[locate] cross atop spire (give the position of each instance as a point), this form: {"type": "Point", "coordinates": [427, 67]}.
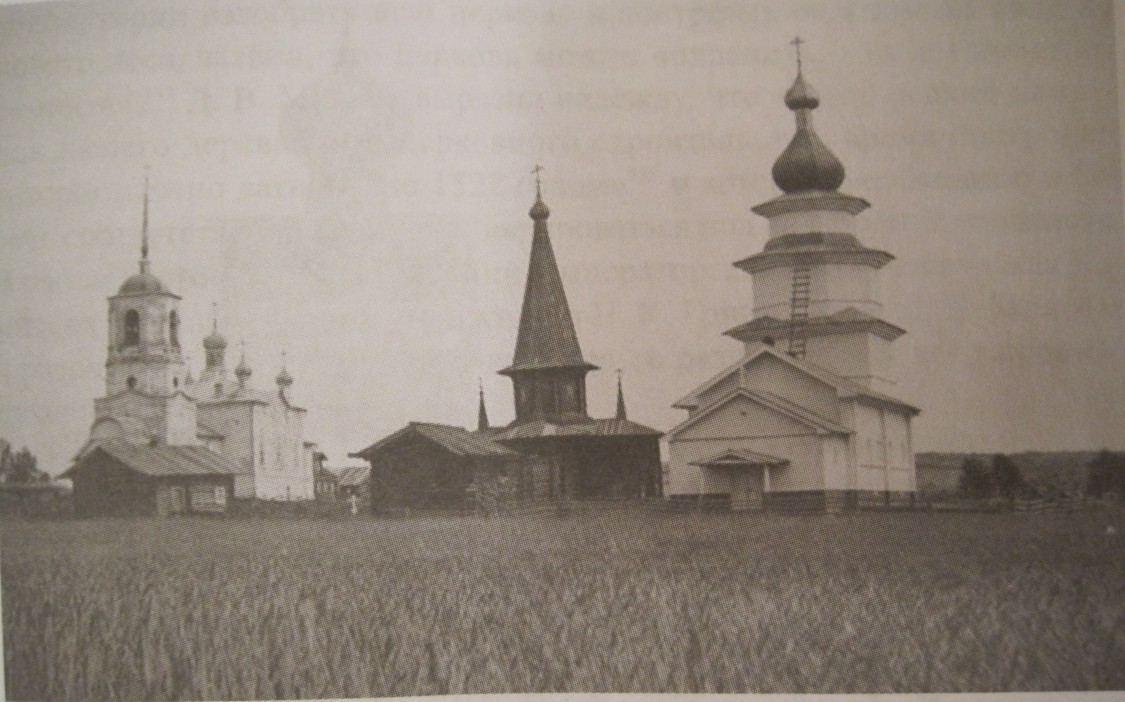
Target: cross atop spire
{"type": "Point", "coordinates": [797, 41]}
{"type": "Point", "coordinates": [214, 317]}
{"type": "Point", "coordinates": [284, 380]}
{"type": "Point", "coordinates": [539, 211]}
{"type": "Point", "coordinates": [538, 186]}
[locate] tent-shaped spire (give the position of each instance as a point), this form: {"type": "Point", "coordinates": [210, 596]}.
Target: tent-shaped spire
{"type": "Point", "coordinates": [620, 398]}
{"type": "Point", "coordinates": [482, 413]}
{"type": "Point", "coordinates": [546, 334]}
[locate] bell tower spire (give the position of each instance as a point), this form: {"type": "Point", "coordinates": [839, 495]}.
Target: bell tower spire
{"type": "Point", "coordinates": [815, 283]}
{"type": "Point", "coordinates": [548, 371]}
{"type": "Point", "coordinates": [482, 413]}
{"type": "Point", "coordinates": [144, 329]}
{"type": "Point", "coordinates": [144, 228]}
{"type": "Point", "coordinates": [620, 398]}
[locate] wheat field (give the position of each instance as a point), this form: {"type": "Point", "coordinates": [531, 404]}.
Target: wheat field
{"type": "Point", "coordinates": [621, 601]}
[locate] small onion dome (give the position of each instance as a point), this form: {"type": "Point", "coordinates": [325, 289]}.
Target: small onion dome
{"type": "Point", "coordinates": [539, 210]}
{"type": "Point", "coordinates": [284, 380]}
{"type": "Point", "coordinates": [242, 371]}
{"type": "Point", "coordinates": [801, 95]}
{"type": "Point", "coordinates": [141, 283]}
{"type": "Point", "coordinates": [214, 341]}
{"type": "Point", "coordinates": [806, 164]}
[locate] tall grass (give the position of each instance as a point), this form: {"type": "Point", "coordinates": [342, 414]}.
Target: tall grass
{"type": "Point", "coordinates": [625, 602]}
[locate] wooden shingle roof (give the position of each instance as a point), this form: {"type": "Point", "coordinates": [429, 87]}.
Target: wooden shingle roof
{"type": "Point", "coordinates": [453, 439]}
{"type": "Point", "coordinates": [162, 460]}
{"type": "Point", "coordinates": [546, 337]}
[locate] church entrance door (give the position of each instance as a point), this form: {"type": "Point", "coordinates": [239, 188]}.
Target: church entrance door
{"type": "Point", "coordinates": [745, 488]}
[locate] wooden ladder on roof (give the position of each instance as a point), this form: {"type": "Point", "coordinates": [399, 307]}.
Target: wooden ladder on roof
{"type": "Point", "coordinates": [799, 311]}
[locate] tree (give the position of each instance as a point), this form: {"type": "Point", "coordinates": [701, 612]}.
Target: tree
{"type": "Point", "coordinates": [976, 480]}
{"type": "Point", "coordinates": [1006, 476]}
{"type": "Point", "coordinates": [1106, 473]}
{"type": "Point", "coordinates": [21, 467]}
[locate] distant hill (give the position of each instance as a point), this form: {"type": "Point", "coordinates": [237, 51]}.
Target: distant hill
{"type": "Point", "coordinates": [1066, 470]}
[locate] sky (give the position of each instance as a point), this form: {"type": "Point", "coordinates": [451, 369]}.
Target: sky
{"type": "Point", "coordinates": [349, 182]}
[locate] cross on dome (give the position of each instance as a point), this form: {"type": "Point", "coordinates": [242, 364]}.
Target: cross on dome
{"type": "Point", "coordinates": [539, 210]}
{"type": "Point", "coordinates": [797, 41]}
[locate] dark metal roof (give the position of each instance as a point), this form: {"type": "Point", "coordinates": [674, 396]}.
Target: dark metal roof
{"type": "Point", "coordinates": [741, 457]}
{"type": "Point", "coordinates": [546, 336]}
{"type": "Point", "coordinates": [540, 429]}
{"type": "Point", "coordinates": [845, 388]}
{"type": "Point", "coordinates": [143, 283]}
{"type": "Point", "coordinates": [453, 439]}
{"type": "Point", "coordinates": [847, 320]}
{"type": "Point", "coordinates": [771, 401]}
{"type": "Point", "coordinates": [353, 475]}
{"type": "Point", "coordinates": [163, 460]}
{"type": "Point", "coordinates": [813, 255]}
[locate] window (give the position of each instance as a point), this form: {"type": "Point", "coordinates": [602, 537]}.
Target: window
{"type": "Point", "coordinates": [174, 329]}
{"type": "Point", "coordinates": [175, 382]}
{"type": "Point", "coordinates": [131, 382]}
{"type": "Point", "coordinates": [218, 389]}
{"type": "Point", "coordinates": [220, 494]}
{"type": "Point", "coordinates": [132, 330]}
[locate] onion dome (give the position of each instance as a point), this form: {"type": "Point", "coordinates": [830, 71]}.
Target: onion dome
{"type": "Point", "coordinates": [242, 370]}
{"type": "Point", "coordinates": [806, 164]}
{"type": "Point", "coordinates": [539, 210]}
{"type": "Point", "coordinates": [284, 380]}
{"type": "Point", "coordinates": [214, 341]}
{"type": "Point", "coordinates": [801, 95]}
{"type": "Point", "coordinates": [142, 283]}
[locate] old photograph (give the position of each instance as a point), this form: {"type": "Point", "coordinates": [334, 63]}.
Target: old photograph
{"type": "Point", "coordinates": [384, 349]}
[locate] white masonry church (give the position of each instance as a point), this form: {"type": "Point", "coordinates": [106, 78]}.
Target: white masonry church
{"type": "Point", "coordinates": [156, 424]}
{"type": "Point", "coordinates": [804, 419]}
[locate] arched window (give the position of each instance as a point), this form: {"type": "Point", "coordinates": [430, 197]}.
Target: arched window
{"type": "Point", "coordinates": [132, 329]}
{"type": "Point", "coordinates": [174, 329]}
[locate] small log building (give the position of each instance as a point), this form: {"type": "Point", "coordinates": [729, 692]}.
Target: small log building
{"type": "Point", "coordinates": [553, 449]}
{"type": "Point", "coordinates": [436, 466]}
{"type": "Point", "coordinates": [119, 478]}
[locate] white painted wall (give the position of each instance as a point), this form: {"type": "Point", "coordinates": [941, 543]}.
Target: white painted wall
{"type": "Point", "coordinates": [804, 471]}
{"type": "Point", "coordinates": [886, 457]}
{"type": "Point", "coordinates": [832, 287]}
{"type": "Point", "coordinates": [774, 375]}
{"type": "Point", "coordinates": [180, 425]}
{"type": "Point", "coordinates": [157, 366]}
{"type": "Point", "coordinates": [234, 421]}
{"type": "Point", "coordinates": [838, 474]}
{"type": "Point", "coordinates": [829, 221]}
{"type": "Point", "coordinates": [744, 424]}
{"type": "Point", "coordinates": [287, 471]}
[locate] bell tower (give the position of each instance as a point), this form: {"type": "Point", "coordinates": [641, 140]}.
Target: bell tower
{"type": "Point", "coordinates": [548, 372]}
{"type": "Point", "coordinates": [816, 292]}
{"type": "Point", "coordinates": [144, 331]}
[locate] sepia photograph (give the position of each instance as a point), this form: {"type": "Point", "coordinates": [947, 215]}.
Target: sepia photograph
{"type": "Point", "coordinates": [363, 349]}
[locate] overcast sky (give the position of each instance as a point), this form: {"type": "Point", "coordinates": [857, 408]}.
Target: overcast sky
{"type": "Point", "coordinates": [350, 182]}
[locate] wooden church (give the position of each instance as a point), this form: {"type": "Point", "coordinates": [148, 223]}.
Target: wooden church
{"type": "Point", "coordinates": [552, 450]}
{"type": "Point", "coordinates": [805, 418]}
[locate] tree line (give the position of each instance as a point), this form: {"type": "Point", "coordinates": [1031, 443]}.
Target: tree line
{"type": "Point", "coordinates": [1001, 477]}
{"type": "Point", "coordinates": [19, 467]}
